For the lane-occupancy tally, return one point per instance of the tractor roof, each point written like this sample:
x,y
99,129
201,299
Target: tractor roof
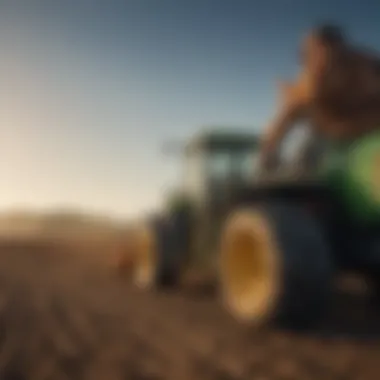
x,y
223,140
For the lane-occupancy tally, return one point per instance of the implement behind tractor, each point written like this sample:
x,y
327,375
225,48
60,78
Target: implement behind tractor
x,y
275,242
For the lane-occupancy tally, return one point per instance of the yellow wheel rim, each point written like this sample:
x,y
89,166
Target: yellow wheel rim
x,y
145,259
249,266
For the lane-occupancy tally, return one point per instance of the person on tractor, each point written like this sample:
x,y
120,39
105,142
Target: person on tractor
x,y
337,92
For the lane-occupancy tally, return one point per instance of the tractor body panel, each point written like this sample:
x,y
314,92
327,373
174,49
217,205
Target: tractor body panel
x,y
352,172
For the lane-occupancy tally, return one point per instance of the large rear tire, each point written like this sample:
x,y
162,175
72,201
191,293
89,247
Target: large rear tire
x,y
275,266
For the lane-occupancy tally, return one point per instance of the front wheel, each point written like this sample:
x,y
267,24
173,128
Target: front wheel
x,y
275,265
157,260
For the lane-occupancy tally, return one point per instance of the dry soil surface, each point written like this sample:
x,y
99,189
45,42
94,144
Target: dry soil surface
x,y
65,316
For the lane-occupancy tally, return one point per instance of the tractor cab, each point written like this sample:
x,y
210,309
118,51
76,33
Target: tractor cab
x,y
216,163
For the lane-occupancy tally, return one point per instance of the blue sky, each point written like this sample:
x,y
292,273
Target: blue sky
x,y
90,90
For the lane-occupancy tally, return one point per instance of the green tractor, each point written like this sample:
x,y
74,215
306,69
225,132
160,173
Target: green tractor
x,y
276,241
181,239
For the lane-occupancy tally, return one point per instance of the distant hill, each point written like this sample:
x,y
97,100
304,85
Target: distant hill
x,y
58,223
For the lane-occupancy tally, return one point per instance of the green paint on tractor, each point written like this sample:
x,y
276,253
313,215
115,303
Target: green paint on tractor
x,y
352,171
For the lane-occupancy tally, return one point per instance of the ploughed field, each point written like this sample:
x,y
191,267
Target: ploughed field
x,y
66,315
